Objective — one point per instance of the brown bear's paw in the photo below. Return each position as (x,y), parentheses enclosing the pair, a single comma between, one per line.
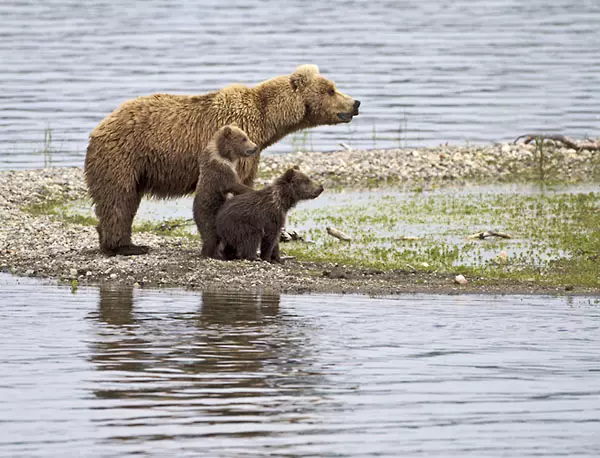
(129,250)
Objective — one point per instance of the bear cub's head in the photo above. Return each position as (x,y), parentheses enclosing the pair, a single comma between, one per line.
(233,143)
(323,102)
(298,186)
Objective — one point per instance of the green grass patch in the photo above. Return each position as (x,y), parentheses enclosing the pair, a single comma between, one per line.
(64,211)
(556,235)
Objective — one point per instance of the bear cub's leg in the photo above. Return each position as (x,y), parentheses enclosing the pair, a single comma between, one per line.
(269,247)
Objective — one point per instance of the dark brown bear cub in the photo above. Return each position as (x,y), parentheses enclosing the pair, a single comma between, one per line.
(256,218)
(218,178)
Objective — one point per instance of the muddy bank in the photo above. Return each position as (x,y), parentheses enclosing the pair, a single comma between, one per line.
(35,242)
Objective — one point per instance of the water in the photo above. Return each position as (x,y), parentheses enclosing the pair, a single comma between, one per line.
(113,373)
(426,72)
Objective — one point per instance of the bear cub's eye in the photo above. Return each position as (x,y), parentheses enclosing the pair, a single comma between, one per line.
(244,140)
(331,91)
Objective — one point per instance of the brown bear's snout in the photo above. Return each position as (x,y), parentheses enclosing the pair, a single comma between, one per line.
(252,151)
(356,105)
(318,191)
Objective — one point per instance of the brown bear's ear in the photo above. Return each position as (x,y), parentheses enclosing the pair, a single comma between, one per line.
(226,131)
(303,75)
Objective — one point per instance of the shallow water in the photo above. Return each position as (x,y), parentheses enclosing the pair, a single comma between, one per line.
(117,372)
(426,72)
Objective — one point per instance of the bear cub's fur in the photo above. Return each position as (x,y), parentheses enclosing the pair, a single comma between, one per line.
(218,178)
(256,218)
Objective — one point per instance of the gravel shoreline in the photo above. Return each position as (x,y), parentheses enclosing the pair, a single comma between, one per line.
(45,246)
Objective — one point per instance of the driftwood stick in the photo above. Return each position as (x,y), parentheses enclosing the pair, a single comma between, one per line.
(567,141)
(485,234)
(338,234)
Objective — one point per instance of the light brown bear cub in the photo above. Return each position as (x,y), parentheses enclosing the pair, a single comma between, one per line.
(256,218)
(150,145)
(218,178)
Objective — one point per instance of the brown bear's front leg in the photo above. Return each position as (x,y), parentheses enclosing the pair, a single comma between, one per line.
(115,220)
(247,169)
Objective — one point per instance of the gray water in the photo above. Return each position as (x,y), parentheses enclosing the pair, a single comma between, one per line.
(113,373)
(426,72)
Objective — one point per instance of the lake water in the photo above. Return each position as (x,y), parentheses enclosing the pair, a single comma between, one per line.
(114,373)
(120,372)
(426,72)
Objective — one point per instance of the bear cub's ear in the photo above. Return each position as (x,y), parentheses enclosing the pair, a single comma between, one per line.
(289,174)
(227,131)
(303,75)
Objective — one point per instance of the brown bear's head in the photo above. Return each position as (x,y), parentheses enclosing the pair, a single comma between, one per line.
(232,143)
(324,104)
(299,186)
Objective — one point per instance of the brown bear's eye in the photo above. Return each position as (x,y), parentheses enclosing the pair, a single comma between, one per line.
(331,91)
(244,140)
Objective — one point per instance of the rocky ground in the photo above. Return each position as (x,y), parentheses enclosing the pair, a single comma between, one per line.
(44,245)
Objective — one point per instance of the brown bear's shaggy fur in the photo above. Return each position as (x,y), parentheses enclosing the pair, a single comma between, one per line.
(150,144)
(217,178)
(256,218)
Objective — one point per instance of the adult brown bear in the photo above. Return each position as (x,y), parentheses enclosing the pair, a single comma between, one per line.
(150,145)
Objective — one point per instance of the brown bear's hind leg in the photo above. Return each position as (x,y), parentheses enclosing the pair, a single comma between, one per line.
(116,219)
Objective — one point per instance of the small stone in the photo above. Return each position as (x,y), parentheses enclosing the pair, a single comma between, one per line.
(29,273)
(113,276)
(506,148)
(502,258)
(88,273)
(73,273)
(335,274)
(460,280)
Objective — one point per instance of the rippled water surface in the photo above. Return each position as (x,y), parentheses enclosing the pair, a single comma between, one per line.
(426,72)
(112,373)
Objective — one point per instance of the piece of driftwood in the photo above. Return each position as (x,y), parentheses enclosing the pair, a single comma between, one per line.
(338,234)
(171,225)
(409,238)
(288,236)
(485,234)
(567,141)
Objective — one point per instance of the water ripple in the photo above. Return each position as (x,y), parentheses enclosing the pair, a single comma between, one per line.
(426,72)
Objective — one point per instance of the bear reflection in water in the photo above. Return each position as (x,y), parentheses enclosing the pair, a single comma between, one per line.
(234,347)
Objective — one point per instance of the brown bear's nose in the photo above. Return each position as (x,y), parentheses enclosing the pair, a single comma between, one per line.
(356,104)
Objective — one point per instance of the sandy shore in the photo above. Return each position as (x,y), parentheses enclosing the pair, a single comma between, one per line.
(45,246)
